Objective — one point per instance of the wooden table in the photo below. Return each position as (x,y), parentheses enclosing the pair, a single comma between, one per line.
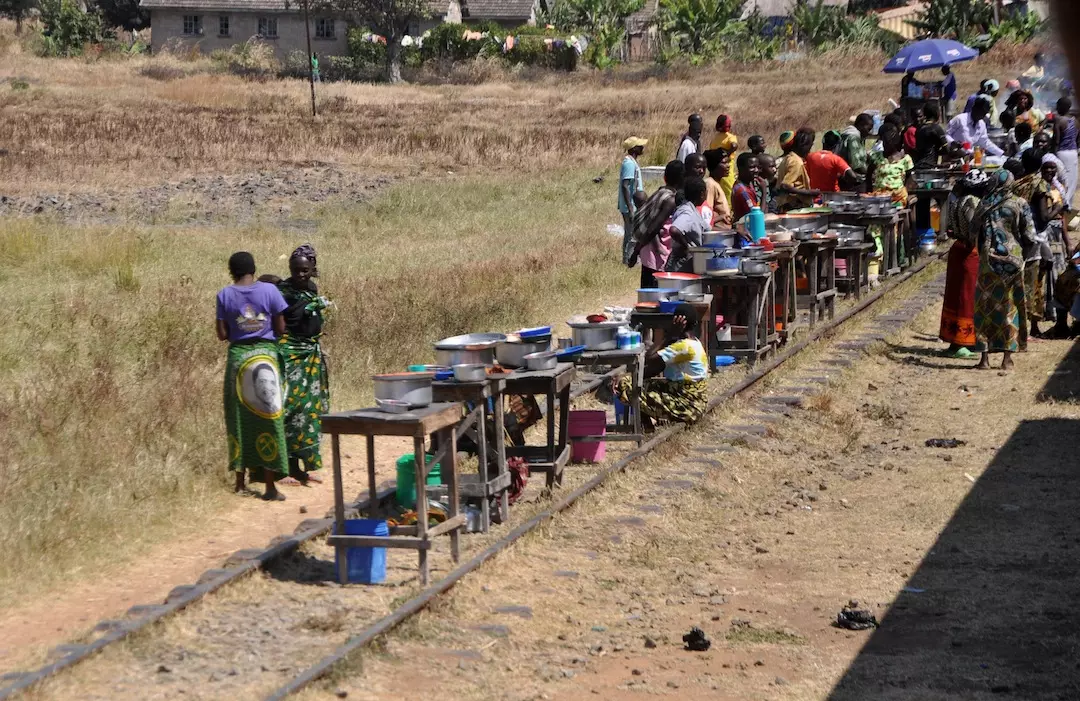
(634,362)
(752,297)
(786,291)
(658,321)
(820,258)
(891,232)
(490,442)
(549,459)
(857,257)
(437,419)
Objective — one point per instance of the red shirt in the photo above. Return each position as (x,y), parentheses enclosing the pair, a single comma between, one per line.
(825,169)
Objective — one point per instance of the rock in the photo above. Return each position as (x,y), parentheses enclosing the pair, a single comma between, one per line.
(649,642)
(759,663)
(673,685)
(636,672)
(162,669)
(341,693)
(760,550)
(567,673)
(718,601)
(780,681)
(303,509)
(823,486)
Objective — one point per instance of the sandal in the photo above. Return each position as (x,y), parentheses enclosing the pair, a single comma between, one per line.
(962,353)
(313,478)
(290,482)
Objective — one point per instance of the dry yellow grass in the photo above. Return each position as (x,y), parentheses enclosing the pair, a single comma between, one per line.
(109,371)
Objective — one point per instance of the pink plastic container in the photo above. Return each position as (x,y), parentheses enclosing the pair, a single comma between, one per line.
(587,422)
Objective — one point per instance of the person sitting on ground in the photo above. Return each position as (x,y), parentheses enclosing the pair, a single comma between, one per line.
(793,182)
(719,164)
(676,373)
(745,195)
(631,187)
(250,316)
(651,241)
(827,170)
(690,141)
(766,183)
(970,128)
(688,227)
(853,144)
(756,144)
(727,141)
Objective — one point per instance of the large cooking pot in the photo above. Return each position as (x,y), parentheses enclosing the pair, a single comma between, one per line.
(512,354)
(678,282)
(601,336)
(654,294)
(411,387)
(719,239)
(470,349)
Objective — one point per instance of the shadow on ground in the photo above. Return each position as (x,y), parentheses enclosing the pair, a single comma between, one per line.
(1000,614)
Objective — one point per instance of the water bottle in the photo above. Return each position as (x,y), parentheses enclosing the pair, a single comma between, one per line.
(755,224)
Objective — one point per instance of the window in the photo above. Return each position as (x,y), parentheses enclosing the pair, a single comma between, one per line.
(324,28)
(192,24)
(268,27)
(223,25)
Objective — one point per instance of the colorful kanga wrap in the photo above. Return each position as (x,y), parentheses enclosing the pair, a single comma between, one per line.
(961,277)
(254,409)
(667,401)
(308,396)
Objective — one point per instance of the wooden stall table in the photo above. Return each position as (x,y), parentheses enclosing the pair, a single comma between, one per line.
(820,257)
(659,322)
(549,459)
(436,419)
(490,449)
(787,311)
(633,359)
(752,297)
(857,257)
(891,232)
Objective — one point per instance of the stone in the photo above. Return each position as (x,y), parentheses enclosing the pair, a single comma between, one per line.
(637,672)
(649,643)
(780,681)
(341,693)
(515,610)
(760,550)
(163,669)
(673,685)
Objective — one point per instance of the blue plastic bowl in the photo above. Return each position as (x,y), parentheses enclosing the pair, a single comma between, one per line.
(571,352)
(444,375)
(723,361)
(669,306)
(533,333)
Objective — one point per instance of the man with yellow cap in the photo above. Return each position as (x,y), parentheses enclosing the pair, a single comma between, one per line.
(631,187)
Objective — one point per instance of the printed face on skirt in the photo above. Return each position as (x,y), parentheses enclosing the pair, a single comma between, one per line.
(260,387)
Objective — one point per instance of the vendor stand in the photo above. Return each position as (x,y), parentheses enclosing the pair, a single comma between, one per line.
(654,324)
(483,426)
(819,255)
(787,306)
(856,256)
(749,297)
(433,420)
(633,359)
(554,385)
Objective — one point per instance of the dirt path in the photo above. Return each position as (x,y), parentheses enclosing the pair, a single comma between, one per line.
(27,632)
(967,555)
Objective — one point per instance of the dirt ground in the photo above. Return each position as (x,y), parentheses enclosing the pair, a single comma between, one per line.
(966,555)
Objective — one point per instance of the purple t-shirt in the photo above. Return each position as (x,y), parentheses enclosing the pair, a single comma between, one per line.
(249,311)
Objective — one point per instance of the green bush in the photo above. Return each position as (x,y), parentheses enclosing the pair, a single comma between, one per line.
(252,59)
(66,29)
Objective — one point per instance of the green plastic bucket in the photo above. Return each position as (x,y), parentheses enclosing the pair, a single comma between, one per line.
(406,479)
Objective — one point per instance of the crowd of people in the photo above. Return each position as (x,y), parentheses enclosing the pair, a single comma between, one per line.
(1011,265)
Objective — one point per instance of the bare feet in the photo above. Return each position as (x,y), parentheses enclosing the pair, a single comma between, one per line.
(1007,362)
(273,496)
(290,482)
(314,478)
(984,363)
(240,482)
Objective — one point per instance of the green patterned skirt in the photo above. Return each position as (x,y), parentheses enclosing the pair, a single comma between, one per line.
(999,306)
(254,409)
(308,398)
(668,401)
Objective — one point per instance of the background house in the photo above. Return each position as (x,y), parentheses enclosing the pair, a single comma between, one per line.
(507,13)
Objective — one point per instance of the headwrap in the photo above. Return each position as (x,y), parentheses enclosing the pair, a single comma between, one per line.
(787,139)
(723,123)
(306,251)
(992,85)
(976,179)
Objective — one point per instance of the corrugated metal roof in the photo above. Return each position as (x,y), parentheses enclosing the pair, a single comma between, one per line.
(782,8)
(520,10)
(226,5)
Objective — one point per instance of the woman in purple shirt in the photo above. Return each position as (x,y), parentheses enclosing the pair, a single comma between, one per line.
(250,317)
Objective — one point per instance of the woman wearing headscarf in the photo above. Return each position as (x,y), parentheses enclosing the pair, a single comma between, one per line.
(1034,299)
(725,140)
(250,317)
(1047,206)
(308,395)
(1002,222)
(962,274)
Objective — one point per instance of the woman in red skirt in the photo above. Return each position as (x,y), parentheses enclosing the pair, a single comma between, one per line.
(958,309)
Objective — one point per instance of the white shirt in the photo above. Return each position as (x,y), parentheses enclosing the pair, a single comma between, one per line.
(961,130)
(687,147)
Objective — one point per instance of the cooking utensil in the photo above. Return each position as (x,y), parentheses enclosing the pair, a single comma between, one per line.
(653,294)
(696,297)
(749,266)
(781,236)
(512,353)
(723,263)
(414,388)
(535,333)
(669,306)
(469,349)
(679,281)
(599,336)
(470,373)
(392,406)
(567,354)
(719,239)
(541,361)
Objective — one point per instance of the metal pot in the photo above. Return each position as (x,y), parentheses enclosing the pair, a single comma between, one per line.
(470,373)
(541,361)
(512,354)
(470,349)
(748,266)
(679,281)
(411,387)
(718,239)
(849,234)
(602,336)
(697,297)
(653,294)
(702,255)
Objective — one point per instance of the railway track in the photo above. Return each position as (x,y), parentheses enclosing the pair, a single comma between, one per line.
(291,564)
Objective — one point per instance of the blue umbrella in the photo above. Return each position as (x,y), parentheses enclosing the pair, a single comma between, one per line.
(929,53)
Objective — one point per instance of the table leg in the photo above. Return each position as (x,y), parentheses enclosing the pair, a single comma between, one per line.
(551,434)
(500,453)
(339,510)
(484,472)
(710,330)
(421,504)
(812,285)
(635,397)
(455,497)
(830,275)
(752,323)
(564,423)
(370,449)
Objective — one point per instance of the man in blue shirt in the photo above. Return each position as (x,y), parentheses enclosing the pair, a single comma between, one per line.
(631,186)
(948,92)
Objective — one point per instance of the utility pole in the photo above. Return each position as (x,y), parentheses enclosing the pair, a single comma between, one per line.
(997,11)
(310,65)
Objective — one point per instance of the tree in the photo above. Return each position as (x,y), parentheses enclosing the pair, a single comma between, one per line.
(67,28)
(604,21)
(697,25)
(962,20)
(817,23)
(123,13)
(389,19)
(17,10)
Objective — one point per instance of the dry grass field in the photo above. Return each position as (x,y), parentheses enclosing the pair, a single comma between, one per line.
(488,218)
